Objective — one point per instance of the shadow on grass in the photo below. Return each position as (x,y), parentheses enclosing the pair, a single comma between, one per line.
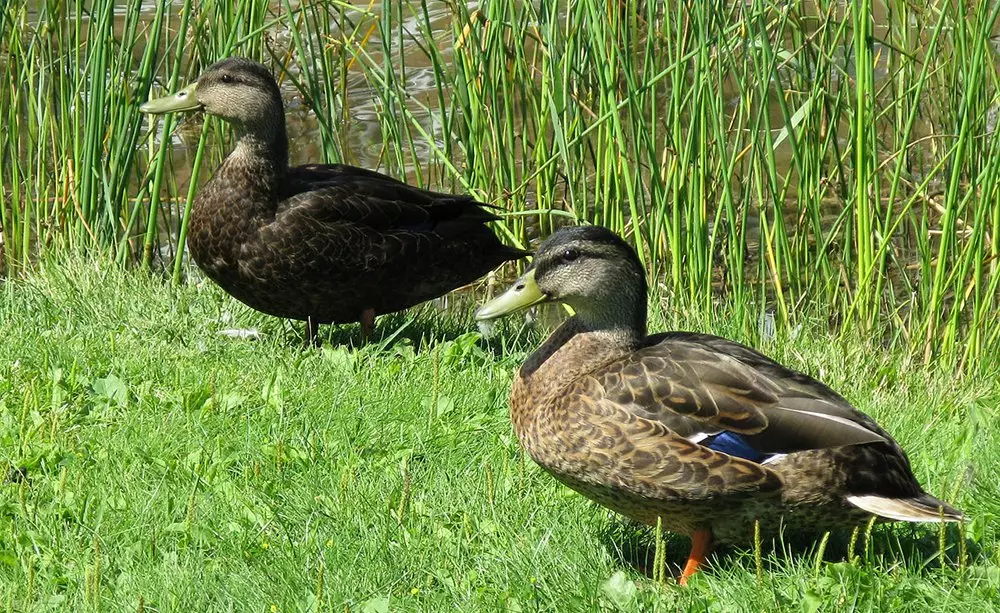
(416,327)
(916,547)
(419,327)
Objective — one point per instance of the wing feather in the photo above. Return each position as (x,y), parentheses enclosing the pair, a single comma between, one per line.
(698,386)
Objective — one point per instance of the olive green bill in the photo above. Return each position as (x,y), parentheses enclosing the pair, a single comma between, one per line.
(184,100)
(522,294)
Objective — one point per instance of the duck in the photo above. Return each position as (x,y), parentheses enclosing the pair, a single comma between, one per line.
(700,433)
(321,243)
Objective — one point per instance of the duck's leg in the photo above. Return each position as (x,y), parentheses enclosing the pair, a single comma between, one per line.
(367,324)
(701,546)
(312,333)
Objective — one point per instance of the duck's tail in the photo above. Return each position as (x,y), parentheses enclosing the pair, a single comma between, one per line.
(923,508)
(513,253)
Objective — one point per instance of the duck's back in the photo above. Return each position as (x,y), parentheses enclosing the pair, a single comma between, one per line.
(338,240)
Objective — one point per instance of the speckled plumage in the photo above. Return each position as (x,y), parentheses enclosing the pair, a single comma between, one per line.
(613,425)
(625,418)
(323,242)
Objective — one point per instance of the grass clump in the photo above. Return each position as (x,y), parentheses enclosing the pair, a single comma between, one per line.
(150,459)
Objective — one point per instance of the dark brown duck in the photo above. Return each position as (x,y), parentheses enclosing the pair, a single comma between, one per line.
(320,243)
(700,432)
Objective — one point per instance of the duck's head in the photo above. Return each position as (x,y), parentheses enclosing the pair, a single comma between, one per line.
(591,269)
(240,91)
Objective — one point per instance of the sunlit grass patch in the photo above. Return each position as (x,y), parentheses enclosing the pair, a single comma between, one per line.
(146,456)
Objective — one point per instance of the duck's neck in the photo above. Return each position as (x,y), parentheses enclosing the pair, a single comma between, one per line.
(263,147)
(240,199)
(580,345)
(623,325)
(246,189)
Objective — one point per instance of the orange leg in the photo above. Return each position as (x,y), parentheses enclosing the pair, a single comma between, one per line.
(701,546)
(367,324)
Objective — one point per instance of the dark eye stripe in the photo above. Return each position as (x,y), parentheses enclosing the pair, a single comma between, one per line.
(559,258)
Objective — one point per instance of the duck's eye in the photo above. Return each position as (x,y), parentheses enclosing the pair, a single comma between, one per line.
(569,255)
(227,78)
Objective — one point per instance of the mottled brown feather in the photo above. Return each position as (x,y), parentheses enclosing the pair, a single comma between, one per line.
(610,414)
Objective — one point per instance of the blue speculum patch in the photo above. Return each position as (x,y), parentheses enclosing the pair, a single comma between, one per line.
(734,445)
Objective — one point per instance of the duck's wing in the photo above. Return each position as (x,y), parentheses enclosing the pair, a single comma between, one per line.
(368,199)
(608,439)
(687,416)
(700,386)
(362,240)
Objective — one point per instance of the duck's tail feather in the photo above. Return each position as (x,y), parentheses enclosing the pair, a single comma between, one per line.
(513,253)
(923,508)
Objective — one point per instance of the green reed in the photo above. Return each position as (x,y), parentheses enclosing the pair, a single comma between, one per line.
(810,159)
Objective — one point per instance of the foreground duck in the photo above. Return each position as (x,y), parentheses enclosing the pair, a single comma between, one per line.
(703,432)
(320,243)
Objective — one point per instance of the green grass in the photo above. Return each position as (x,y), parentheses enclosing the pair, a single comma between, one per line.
(170,468)
(803,159)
